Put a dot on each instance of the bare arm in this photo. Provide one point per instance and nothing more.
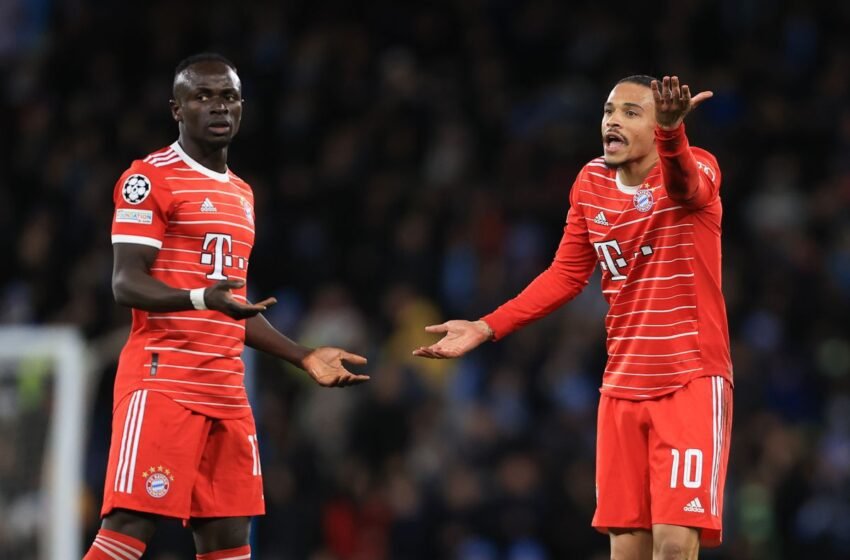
(324, 364)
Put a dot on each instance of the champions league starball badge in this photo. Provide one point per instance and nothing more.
(136, 188)
(643, 200)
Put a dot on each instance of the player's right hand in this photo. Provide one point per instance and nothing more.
(219, 297)
(460, 337)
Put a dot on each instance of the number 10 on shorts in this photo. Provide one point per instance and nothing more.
(692, 468)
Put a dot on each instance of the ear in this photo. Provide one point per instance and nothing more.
(176, 110)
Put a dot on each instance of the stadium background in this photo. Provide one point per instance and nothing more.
(411, 163)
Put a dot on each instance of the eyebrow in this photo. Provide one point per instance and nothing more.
(626, 104)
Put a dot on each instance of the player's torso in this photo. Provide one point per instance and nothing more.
(194, 356)
(652, 253)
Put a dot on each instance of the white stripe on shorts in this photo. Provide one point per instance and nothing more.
(130, 442)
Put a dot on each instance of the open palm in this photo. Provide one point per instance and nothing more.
(460, 337)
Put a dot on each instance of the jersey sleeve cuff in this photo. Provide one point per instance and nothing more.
(670, 142)
(137, 239)
(500, 328)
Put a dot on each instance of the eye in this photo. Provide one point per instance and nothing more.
(202, 97)
(607, 111)
(631, 113)
(231, 97)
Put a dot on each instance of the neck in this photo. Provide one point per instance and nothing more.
(211, 158)
(634, 172)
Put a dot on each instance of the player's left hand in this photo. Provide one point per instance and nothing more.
(673, 102)
(324, 364)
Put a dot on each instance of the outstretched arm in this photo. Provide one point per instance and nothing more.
(563, 280)
(133, 286)
(679, 168)
(324, 364)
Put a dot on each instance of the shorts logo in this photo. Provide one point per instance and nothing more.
(694, 506)
(157, 481)
(643, 200)
(136, 188)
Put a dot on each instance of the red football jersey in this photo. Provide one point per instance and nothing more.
(202, 222)
(660, 261)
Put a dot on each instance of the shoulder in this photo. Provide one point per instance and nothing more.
(594, 175)
(240, 183)
(706, 162)
(142, 177)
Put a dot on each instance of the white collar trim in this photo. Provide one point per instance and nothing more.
(627, 189)
(220, 177)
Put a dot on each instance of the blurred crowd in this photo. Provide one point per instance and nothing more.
(411, 163)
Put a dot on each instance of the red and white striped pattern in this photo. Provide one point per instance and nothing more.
(194, 357)
(720, 418)
(116, 549)
(666, 322)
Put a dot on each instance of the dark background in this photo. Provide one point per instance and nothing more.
(411, 163)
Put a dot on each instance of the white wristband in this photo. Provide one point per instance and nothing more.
(197, 297)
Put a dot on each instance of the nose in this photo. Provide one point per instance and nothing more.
(612, 120)
(219, 106)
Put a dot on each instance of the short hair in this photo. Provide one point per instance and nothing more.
(640, 79)
(202, 57)
(195, 59)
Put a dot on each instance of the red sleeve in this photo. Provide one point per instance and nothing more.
(562, 281)
(142, 206)
(691, 175)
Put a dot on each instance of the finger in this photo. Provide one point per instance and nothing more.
(266, 303)
(675, 90)
(700, 97)
(655, 86)
(426, 352)
(230, 284)
(354, 358)
(353, 379)
(665, 87)
(441, 328)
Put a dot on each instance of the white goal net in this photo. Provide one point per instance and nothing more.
(43, 385)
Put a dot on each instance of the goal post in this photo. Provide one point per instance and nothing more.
(60, 354)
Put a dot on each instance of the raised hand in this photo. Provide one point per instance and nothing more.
(324, 364)
(460, 337)
(219, 297)
(673, 102)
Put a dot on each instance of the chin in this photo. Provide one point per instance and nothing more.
(611, 161)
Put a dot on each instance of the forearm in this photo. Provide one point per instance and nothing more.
(678, 164)
(142, 291)
(550, 290)
(261, 335)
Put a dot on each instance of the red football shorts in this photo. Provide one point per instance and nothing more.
(168, 460)
(663, 461)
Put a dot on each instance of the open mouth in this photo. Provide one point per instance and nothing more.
(614, 142)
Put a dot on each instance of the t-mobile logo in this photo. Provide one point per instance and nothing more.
(612, 258)
(217, 252)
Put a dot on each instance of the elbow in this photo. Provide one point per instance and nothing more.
(120, 292)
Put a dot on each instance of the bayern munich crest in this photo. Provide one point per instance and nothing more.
(136, 188)
(246, 207)
(643, 200)
(157, 481)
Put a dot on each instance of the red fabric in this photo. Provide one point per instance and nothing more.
(241, 553)
(658, 245)
(203, 224)
(109, 545)
(636, 482)
(168, 460)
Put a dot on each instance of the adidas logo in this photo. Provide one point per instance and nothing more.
(600, 219)
(694, 506)
(208, 206)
